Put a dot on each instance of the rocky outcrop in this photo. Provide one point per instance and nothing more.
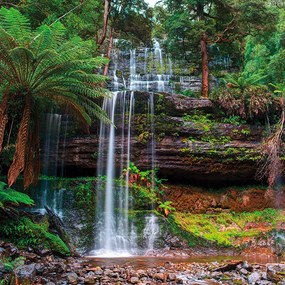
(201, 200)
(192, 144)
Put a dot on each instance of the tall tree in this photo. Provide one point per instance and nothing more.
(196, 24)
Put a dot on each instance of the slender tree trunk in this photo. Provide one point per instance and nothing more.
(106, 68)
(205, 67)
(107, 6)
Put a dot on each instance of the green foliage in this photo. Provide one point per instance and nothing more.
(144, 198)
(190, 93)
(248, 101)
(244, 80)
(202, 122)
(10, 265)
(25, 233)
(147, 188)
(85, 196)
(233, 120)
(133, 168)
(165, 207)
(9, 196)
(52, 67)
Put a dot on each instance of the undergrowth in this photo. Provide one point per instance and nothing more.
(24, 233)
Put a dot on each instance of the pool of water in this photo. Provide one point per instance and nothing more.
(143, 262)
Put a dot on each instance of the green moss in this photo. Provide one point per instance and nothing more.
(225, 229)
(144, 137)
(24, 233)
(170, 225)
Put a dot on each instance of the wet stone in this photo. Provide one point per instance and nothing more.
(26, 272)
(171, 276)
(72, 278)
(134, 280)
(243, 271)
(254, 277)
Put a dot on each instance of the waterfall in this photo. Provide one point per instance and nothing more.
(55, 130)
(143, 69)
(151, 231)
(116, 235)
(146, 75)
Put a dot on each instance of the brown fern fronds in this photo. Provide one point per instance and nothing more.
(18, 163)
(28, 169)
(32, 164)
(272, 166)
(3, 118)
(36, 164)
(3, 122)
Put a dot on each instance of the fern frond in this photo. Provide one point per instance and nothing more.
(18, 163)
(16, 24)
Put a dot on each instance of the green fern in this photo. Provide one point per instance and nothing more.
(11, 197)
(15, 24)
(49, 69)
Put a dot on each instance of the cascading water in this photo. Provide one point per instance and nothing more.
(55, 130)
(143, 69)
(116, 234)
(151, 230)
(151, 77)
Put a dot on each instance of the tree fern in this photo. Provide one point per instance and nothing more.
(43, 66)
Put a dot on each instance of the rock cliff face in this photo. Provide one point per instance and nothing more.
(193, 145)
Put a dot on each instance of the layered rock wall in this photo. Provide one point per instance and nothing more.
(193, 145)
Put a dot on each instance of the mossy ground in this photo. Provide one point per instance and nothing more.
(229, 229)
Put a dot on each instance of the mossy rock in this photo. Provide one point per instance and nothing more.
(24, 233)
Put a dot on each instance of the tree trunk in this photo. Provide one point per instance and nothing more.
(107, 9)
(109, 53)
(205, 67)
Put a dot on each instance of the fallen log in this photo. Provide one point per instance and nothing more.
(56, 223)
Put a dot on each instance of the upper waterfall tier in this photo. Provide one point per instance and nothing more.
(144, 69)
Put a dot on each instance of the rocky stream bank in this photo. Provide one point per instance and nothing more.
(29, 267)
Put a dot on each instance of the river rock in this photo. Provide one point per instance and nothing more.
(243, 271)
(134, 280)
(171, 277)
(26, 273)
(276, 272)
(254, 277)
(160, 276)
(72, 278)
